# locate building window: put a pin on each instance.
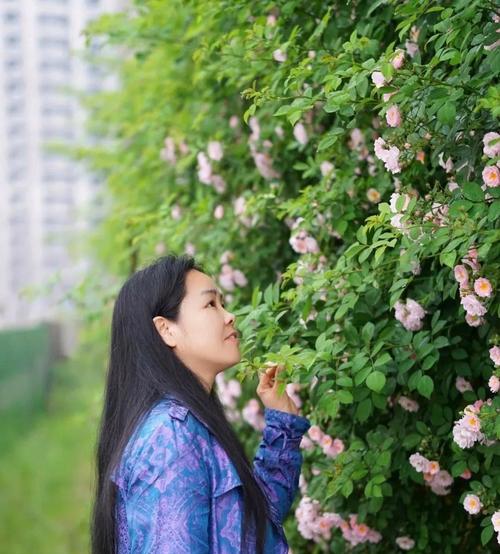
(56, 110)
(50, 19)
(13, 63)
(52, 42)
(14, 86)
(55, 64)
(12, 40)
(14, 108)
(11, 17)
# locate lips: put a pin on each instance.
(234, 335)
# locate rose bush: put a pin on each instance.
(337, 166)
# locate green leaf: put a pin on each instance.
(329, 405)
(367, 331)
(459, 354)
(268, 295)
(494, 211)
(459, 207)
(411, 440)
(362, 375)
(353, 250)
(362, 86)
(364, 410)
(378, 254)
(359, 474)
(414, 379)
(249, 112)
(344, 381)
(294, 116)
(486, 535)
(383, 359)
(283, 110)
(387, 71)
(473, 463)
(347, 488)
(376, 381)
(344, 396)
(336, 100)
(472, 191)
(447, 113)
(487, 481)
(448, 258)
(425, 386)
(384, 460)
(399, 284)
(330, 138)
(422, 427)
(361, 235)
(458, 468)
(364, 255)
(256, 297)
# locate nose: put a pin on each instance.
(230, 318)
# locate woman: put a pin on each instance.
(172, 476)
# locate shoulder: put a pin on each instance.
(167, 434)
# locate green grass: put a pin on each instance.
(46, 462)
(24, 349)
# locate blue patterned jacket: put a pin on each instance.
(179, 492)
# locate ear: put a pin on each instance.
(164, 328)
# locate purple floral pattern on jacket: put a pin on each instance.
(179, 492)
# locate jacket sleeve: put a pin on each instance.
(167, 503)
(278, 460)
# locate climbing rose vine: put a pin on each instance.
(335, 166)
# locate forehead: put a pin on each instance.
(198, 282)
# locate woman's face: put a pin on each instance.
(199, 336)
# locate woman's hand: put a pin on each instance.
(268, 390)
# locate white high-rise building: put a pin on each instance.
(41, 193)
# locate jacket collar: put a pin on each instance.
(176, 408)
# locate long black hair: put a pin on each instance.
(142, 369)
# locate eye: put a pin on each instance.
(212, 303)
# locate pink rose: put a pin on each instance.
(300, 133)
(214, 150)
(494, 383)
(491, 143)
(461, 275)
(398, 60)
(378, 79)
(393, 116)
(279, 55)
(315, 433)
(491, 176)
(326, 168)
(482, 287)
(495, 354)
(219, 211)
(472, 504)
(405, 543)
(388, 154)
(472, 305)
(462, 384)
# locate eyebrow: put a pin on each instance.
(214, 291)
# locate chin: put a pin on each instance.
(227, 365)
